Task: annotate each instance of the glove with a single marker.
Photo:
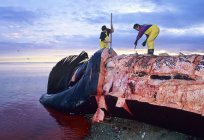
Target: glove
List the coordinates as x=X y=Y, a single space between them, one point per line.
x=144 y=43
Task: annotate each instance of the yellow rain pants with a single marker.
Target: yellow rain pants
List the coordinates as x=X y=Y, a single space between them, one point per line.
x=152 y=32
x=102 y=43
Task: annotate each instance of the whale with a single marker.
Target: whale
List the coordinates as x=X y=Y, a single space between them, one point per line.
x=162 y=90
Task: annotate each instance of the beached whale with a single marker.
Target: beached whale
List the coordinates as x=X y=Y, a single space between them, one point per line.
x=163 y=90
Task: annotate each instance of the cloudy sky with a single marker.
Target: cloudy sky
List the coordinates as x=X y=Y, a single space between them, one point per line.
x=33 y=29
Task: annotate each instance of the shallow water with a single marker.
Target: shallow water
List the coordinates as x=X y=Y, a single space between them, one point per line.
x=22 y=117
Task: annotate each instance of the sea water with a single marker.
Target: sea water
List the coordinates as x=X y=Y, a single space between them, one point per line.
x=22 y=116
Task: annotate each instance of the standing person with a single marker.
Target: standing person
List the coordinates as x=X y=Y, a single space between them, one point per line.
x=104 y=37
x=151 y=32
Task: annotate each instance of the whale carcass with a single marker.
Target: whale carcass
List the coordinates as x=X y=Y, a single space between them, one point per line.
x=163 y=90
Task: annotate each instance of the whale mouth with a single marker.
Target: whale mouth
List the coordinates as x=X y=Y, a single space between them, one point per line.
x=60 y=77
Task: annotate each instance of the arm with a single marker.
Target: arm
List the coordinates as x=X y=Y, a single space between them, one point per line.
x=109 y=31
x=139 y=35
x=103 y=36
x=106 y=41
x=142 y=31
x=137 y=38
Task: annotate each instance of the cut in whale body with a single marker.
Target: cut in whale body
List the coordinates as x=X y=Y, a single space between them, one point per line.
x=162 y=90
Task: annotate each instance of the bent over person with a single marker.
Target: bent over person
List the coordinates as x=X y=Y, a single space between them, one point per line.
x=151 y=32
x=104 y=37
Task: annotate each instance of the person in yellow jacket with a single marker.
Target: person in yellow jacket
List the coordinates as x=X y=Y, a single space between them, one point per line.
x=104 y=37
x=151 y=32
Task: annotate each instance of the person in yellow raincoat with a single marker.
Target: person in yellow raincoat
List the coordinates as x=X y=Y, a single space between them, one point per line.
x=151 y=32
x=104 y=37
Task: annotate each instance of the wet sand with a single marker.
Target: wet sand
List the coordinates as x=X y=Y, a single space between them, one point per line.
x=123 y=129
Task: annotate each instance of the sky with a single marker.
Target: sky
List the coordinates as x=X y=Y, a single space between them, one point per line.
x=48 y=30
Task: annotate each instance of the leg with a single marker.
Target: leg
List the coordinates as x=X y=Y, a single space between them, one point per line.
x=152 y=37
x=150 y=43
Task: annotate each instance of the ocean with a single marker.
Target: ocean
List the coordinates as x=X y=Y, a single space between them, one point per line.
x=22 y=116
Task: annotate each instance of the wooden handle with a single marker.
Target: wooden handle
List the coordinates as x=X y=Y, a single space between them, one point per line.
x=111 y=32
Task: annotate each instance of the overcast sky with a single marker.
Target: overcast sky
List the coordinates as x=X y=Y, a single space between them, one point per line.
x=49 y=25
